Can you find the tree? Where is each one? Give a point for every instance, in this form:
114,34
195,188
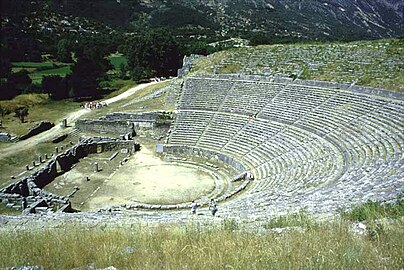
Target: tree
21,113
5,65
56,87
2,111
21,80
155,53
63,52
7,90
84,78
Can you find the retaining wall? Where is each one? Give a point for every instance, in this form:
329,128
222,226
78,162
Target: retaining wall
324,84
188,150
123,123
41,127
102,126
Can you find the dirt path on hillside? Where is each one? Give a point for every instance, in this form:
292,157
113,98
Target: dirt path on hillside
58,129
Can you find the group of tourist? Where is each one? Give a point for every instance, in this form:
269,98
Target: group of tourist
93,105
212,207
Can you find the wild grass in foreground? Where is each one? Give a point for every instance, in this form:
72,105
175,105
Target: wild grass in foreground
327,246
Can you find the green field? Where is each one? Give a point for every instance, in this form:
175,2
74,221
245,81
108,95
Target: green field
294,241
37,76
37,70
117,60
33,64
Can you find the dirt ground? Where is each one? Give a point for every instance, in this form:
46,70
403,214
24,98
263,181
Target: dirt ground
144,178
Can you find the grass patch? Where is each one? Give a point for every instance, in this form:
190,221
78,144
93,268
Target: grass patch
371,211
299,219
37,75
197,247
41,107
230,69
33,64
121,85
28,100
8,211
37,70
117,60
134,103
14,164
149,90
151,104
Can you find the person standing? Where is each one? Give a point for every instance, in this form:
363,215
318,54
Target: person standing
213,207
194,205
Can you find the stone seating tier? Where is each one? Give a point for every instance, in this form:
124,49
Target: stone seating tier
307,146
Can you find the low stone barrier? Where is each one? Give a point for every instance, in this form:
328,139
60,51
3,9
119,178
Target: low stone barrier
123,123
60,138
5,137
323,84
188,150
102,126
41,127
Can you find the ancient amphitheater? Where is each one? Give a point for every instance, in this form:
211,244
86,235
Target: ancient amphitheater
287,145
308,144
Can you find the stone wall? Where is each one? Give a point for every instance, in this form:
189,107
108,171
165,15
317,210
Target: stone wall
103,126
121,116
354,88
124,123
41,127
5,137
323,84
187,150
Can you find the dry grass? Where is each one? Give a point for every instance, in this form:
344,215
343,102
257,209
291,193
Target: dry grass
328,246
41,108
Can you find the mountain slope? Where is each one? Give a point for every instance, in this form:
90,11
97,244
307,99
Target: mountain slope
309,19
270,20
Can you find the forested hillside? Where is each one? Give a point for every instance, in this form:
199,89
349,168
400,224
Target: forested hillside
154,35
